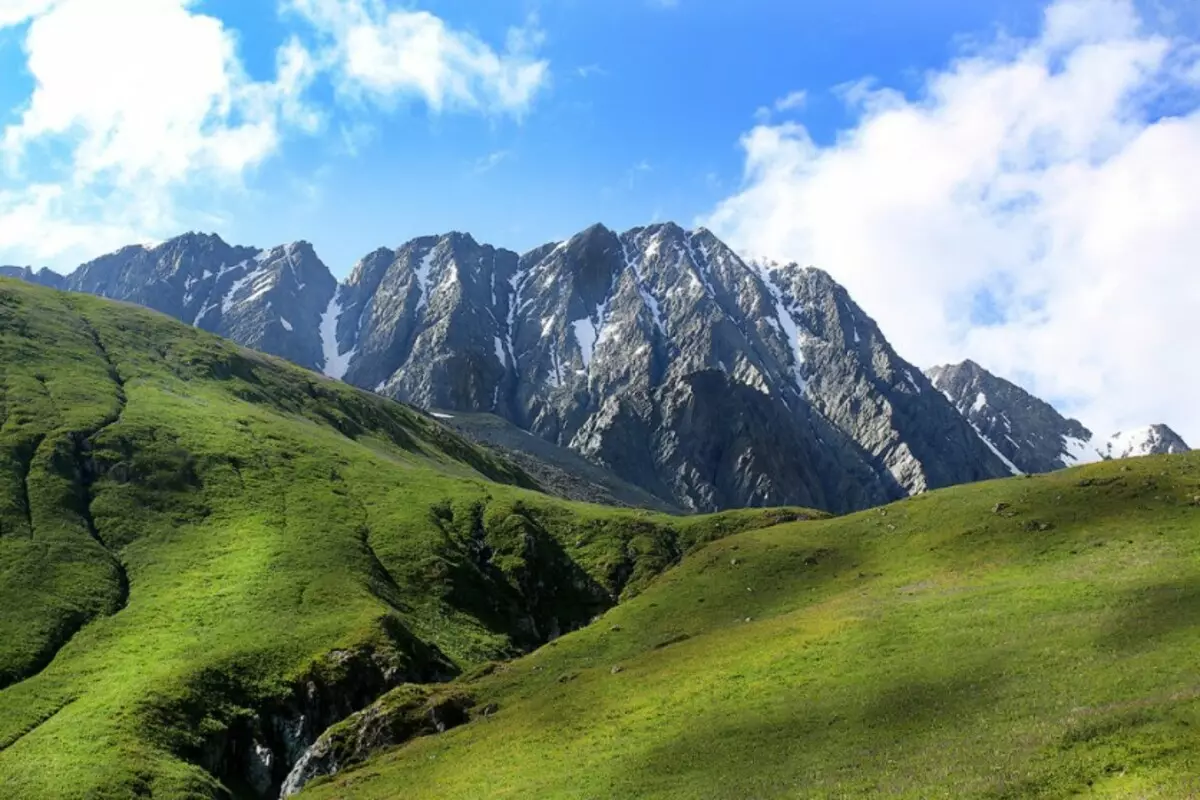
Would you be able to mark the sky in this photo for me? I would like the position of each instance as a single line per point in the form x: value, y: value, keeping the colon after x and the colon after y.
x: 1014, y: 181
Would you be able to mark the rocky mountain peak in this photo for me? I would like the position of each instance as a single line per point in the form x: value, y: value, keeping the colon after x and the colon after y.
x: 1145, y: 441
x: 43, y: 276
x: 1030, y: 433
x: 1026, y: 431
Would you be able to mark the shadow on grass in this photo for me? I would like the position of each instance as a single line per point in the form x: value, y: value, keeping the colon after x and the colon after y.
x: 1151, y: 613
x: 800, y: 743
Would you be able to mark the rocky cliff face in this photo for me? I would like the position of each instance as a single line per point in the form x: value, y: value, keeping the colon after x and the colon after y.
x: 1028, y: 433
x: 662, y: 355
x: 270, y: 300
x: 855, y: 378
x: 657, y: 353
x: 43, y: 276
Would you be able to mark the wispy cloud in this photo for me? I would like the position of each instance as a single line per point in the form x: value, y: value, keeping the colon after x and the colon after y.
x: 490, y: 161
x: 793, y: 101
x: 636, y: 171
x: 590, y: 71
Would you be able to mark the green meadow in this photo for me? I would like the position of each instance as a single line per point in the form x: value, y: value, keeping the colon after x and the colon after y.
x: 195, y: 538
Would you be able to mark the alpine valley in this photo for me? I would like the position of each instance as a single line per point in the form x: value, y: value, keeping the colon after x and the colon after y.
x: 705, y: 381
x: 224, y: 576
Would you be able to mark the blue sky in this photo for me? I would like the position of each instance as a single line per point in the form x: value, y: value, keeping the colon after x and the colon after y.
x: 1012, y: 181
x: 638, y: 120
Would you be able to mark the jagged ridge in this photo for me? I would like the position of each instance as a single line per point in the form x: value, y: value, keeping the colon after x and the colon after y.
x: 657, y: 353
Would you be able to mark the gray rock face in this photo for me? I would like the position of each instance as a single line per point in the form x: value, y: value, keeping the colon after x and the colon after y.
x: 855, y: 378
x: 43, y: 276
x: 661, y: 355
x: 1027, y: 431
x: 423, y: 322
x: 657, y: 354
x: 1029, y: 434
x: 270, y: 300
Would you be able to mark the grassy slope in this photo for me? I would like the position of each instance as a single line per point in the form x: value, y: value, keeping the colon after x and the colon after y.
x: 930, y: 649
x: 187, y: 529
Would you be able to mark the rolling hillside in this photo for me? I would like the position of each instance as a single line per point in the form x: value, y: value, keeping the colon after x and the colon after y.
x: 1031, y: 637
x: 222, y: 576
x: 207, y: 555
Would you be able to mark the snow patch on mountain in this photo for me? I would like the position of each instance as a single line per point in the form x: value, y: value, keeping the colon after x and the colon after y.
x: 786, y: 324
x: 227, y: 302
x: 585, y: 335
x: 422, y: 273
x: 1011, y: 466
x: 336, y: 363
x: 1144, y: 441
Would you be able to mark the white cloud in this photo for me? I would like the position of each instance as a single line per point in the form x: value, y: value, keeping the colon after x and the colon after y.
x: 15, y: 12
x: 147, y: 91
x: 396, y: 54
x: 138, y: 103
x: 792, y: 101
x: 43, y: 221
x: 132, y: 100
x: 1028, y: 209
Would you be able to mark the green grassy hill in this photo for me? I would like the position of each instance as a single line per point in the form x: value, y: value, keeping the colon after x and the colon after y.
x: 1032, y: 637
x: 207, y: 555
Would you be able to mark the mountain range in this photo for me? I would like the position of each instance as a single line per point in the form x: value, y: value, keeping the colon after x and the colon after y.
x: 704, y: 379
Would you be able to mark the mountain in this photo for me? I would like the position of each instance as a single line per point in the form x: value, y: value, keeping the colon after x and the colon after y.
x: 209, y: 555
x: 43, y: 276
x: 1028, y: 433
x: 1150, y: 440
x: 663, y: 356
x: 657, y: 354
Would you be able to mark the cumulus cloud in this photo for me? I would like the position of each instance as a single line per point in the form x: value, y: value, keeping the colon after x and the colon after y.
x: 1032, y: 207
x: 131, y: 99
x: 392, y: 54
x: 147, y: 90
x: 138, y: 103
